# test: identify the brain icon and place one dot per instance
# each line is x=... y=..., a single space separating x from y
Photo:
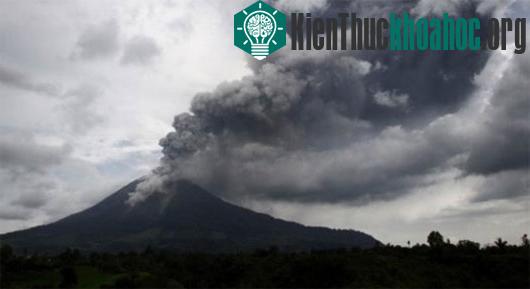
x=260 y=25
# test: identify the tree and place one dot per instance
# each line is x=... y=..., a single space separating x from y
x=500 y=243
x=435 y=239
x=468 y=245
x=6 y=252
x=69 y=278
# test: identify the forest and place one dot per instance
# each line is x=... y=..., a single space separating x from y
x=436 y=264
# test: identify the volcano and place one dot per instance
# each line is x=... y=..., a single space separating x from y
x=184 y=218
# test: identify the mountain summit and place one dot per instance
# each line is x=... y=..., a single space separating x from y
x=186 y=218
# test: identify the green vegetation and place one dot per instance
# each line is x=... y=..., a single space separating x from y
x=437 y=265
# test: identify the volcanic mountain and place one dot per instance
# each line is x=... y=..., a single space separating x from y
x=185 y=218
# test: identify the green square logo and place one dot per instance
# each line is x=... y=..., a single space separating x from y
x=260 y=30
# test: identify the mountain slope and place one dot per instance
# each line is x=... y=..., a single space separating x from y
x=187 y=218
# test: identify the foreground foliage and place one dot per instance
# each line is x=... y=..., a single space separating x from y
x=437 y=265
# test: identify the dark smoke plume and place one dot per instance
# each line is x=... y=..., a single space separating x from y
x=332 y=126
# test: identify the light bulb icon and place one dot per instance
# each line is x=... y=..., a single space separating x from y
x=260 y=27
x=259 y=30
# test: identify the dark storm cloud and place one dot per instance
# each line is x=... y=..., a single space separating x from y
x=16 y=79
x=98 y=41
x=330 y=127
x=505 y=144
x=501 y=151
x=481 y=211
x=505 y=185
x=140 y=50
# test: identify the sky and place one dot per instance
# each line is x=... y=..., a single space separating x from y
x=395 y=145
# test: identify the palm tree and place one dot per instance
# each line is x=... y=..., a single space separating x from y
x=500 y=243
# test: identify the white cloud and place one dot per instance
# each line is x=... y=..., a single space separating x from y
x=391 y=99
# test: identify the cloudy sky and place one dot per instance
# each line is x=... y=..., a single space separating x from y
x=392 y=144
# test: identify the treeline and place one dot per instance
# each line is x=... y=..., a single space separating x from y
x=438 y=264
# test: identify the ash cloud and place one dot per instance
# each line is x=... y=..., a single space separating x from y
x=306 y=127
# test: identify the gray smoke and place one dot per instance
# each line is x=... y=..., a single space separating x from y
x=345 y=126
